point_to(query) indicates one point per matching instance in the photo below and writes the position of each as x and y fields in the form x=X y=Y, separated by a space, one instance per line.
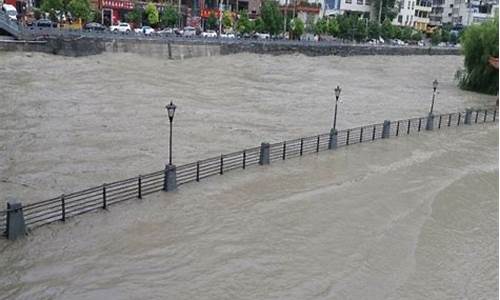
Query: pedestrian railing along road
x=101 y=197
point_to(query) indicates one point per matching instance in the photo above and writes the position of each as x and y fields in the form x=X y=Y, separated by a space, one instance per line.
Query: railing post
x=477 y=115
x=317 y=144
x=468 y=115
x=284 y=150
x=494 y=115
x=264 y=154
x=430 y=122
x=397 y=129
x=386 y=130
x=139 y=187
x=440 y=119
x=361 y=135
x=332 y=144
x=244 y=159
x=104 y=203
x=408 y=129
x=373 y=133
x=449 y=120
x=16 y=227
x=459 y=118
x=485 y=114
x=419 y=124
x=170 y=178
x=221 y=164
x=198 y=171
x=63 y=208
x=301 y=146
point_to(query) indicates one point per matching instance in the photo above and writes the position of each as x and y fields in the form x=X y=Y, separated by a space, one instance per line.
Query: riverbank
x=185 y=48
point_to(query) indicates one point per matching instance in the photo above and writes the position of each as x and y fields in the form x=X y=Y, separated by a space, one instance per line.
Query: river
x=408 y=218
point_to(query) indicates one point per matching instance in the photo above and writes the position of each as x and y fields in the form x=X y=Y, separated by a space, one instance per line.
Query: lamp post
x=337 y=95
x=171 y=111
x=434 y=86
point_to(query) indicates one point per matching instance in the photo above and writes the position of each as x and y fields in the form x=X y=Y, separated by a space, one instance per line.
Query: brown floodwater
x=408 y=218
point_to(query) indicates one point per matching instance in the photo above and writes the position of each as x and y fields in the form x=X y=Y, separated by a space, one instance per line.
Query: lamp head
x=171 y=110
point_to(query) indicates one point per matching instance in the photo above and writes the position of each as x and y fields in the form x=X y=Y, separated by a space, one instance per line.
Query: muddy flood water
x=408 y=218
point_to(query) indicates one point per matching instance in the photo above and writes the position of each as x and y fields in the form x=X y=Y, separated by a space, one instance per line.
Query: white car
x=10 y=11
x=227 y=35
x=264 y=36
x=209 y=34
x=189 y=31
x=147 y=30
x=121 y=27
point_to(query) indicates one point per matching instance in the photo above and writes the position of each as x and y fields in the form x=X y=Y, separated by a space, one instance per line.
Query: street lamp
x=337 y=95
x=434 y=86
x=171 y=111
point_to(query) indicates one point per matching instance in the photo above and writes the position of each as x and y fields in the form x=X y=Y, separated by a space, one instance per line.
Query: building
x=462 y=12
x=414 y=13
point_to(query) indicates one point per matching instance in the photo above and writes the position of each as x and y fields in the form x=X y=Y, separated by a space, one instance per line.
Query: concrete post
x=16 y=227
x=468 y=115
x=333 y=139
x=430 y=122
x=386 y=130
x=264 y=158
x=170 y=178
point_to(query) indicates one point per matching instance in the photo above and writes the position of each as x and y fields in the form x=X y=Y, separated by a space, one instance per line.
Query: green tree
x=389 y=10
x=479 y=43
x=271 y=17
x=406 y=33
x=259 y=25
x=436 y=37
x=212 y=21
x=345 y=26
x=332 y=27
x=445 y=36
x=135 y=16
x=397 y=32
x=373 y=30
x=244 y=25
x=387 y=30
x=51 y=6
x=152 y=14
x=417 y=36
x=321 y=27
x=80 y=9
x=170 y=17
x=297 y=28
x=360 y=29
x=227 y=20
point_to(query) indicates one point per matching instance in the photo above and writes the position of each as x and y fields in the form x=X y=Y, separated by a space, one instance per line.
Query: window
x=400 y=19
x=348 y=1
x=367 y=2
x=413 y=5
x=359 y=2
x=409 y=3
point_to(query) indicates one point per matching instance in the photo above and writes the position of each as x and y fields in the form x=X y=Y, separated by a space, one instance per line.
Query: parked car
x=421 y=43
x=264 y=36
x=10 y=11
x=165 y=31
x=209 y=34
x=43 y=23
x=189 y=31
x=94 y=27
x=227 y=35
x=121 y=27
x=147 y=30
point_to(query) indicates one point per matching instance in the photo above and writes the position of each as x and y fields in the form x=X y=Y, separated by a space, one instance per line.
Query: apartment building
x=414 y=13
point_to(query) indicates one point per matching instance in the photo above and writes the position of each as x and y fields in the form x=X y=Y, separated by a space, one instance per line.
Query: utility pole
x=220 y=17
x=179 y=13
x=380 y=13
x=286 y=12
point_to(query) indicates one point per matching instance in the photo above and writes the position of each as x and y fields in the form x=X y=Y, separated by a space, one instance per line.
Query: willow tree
x=479 y=43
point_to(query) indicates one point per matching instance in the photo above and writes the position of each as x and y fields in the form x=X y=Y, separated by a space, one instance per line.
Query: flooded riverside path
x=408 y=218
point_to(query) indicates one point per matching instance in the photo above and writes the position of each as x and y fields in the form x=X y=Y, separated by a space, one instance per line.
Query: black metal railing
x=101 y=197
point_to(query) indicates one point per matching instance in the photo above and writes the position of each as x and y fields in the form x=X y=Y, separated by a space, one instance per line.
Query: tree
x=387 y=29
x=388 y=12
x=332 y=27
x=244 y=25
x=406 y=33
x=344 y=26
x=445 y=36
x=227 y=20
x=479 y=43
x=373 y=30
x=321 y=27
x=212 y=21
x=397 y=32
x=170 y=17
x=436 y=37
x=135 y=16
x=80 y=9
x=271 y=17
x=417 y=36
x=152 y=14
x=51 y=6
x=259 y=25
x=359 y=28
x=297 y=28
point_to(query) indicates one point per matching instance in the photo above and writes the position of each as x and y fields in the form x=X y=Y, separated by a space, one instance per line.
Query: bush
x=152 y=14
x=297 y=28
x=170 y=17
x=479 y=43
